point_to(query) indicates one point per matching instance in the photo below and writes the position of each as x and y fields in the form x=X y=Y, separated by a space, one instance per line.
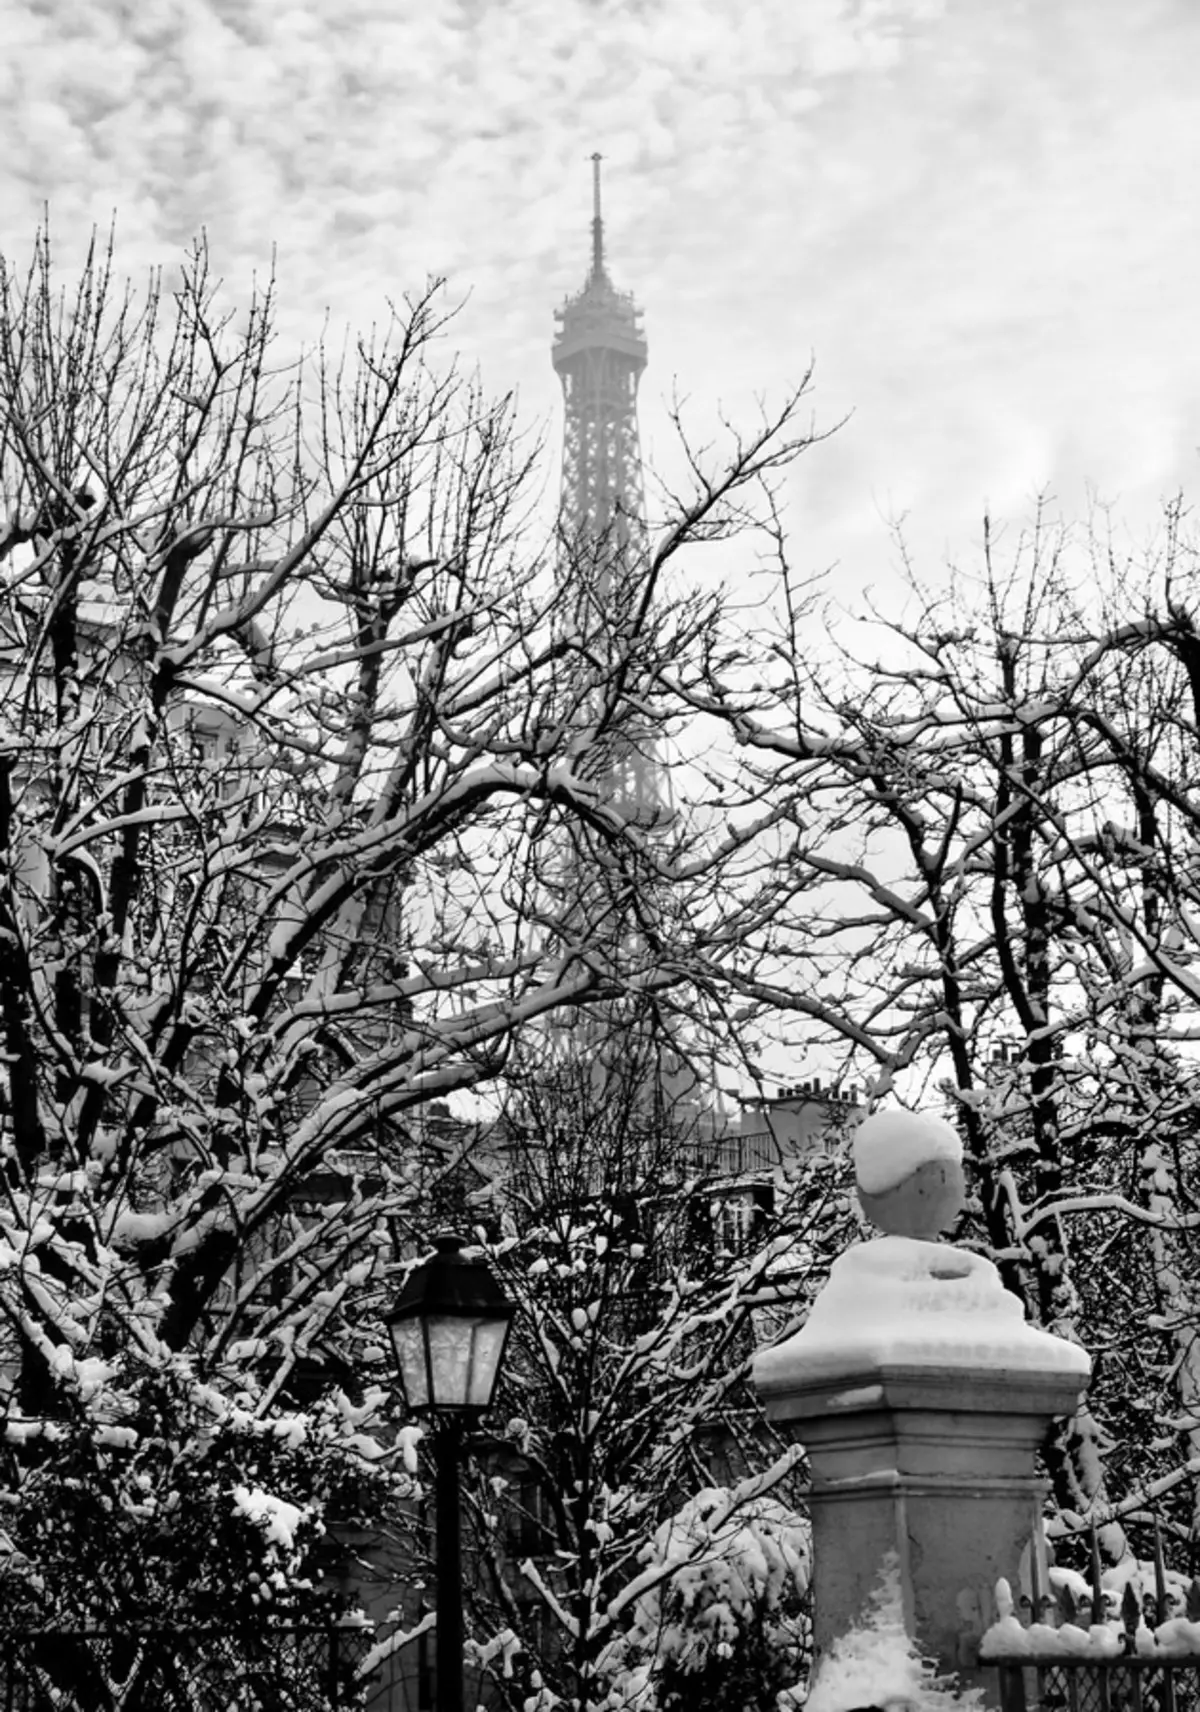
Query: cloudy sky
x=982 y=217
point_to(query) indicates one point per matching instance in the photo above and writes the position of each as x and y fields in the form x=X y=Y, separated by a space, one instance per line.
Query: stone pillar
x=923 y=1399
x=935 y=1465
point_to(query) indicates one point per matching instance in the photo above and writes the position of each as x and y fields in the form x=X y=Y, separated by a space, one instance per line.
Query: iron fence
x=270 y=1669
x=1100 y=1685
x=1128 y=1672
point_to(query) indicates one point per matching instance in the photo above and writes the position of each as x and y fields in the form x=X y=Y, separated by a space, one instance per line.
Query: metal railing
x=1100 y=1685
x=269 y=1669
x=1119 y=1666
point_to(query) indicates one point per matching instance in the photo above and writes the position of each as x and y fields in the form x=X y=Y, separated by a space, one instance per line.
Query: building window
x=739 y=1217
x=733 y=1227
x=530 y=1531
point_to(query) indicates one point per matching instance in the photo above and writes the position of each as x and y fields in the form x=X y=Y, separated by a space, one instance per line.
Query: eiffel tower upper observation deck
x=599 y=352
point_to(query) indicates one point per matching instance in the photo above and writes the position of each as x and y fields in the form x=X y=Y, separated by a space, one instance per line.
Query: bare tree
x=295 y=725
x=999 y=823
x=649 y=1261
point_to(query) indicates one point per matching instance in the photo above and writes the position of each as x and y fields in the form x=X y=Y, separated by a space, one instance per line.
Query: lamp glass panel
x=408 y=1339
x=487 y=1346
x=463 y=1352
x=450 y=1337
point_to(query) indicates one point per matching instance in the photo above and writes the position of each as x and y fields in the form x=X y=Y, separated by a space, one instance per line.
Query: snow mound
x=877 y=1663
x=890 y=1146
x=899 y=1302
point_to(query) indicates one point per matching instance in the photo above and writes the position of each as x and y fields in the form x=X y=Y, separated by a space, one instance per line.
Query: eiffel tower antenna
x=597 y=218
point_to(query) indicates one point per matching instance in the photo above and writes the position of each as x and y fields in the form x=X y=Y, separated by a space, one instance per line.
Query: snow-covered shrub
x=723 y=1617
x=166 y=1503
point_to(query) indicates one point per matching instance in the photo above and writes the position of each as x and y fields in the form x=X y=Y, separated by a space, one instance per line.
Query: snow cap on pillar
x=901 y=1302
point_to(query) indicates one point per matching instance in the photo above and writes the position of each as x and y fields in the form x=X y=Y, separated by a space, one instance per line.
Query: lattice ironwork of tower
x=599 y=353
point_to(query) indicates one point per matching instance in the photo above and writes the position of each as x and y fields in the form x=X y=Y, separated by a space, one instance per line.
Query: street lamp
x=448 y=1329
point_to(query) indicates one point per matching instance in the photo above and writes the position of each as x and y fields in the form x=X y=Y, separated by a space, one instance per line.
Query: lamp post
x=448 y=1329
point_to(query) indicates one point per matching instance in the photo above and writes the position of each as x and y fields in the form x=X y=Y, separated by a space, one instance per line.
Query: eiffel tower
x=599 y=352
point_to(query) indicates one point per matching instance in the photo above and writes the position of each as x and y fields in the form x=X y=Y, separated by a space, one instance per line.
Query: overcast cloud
x=979 y=216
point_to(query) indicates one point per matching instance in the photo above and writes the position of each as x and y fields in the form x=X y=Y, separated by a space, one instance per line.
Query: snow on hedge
x=719 y=1575
x=277 y=1519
